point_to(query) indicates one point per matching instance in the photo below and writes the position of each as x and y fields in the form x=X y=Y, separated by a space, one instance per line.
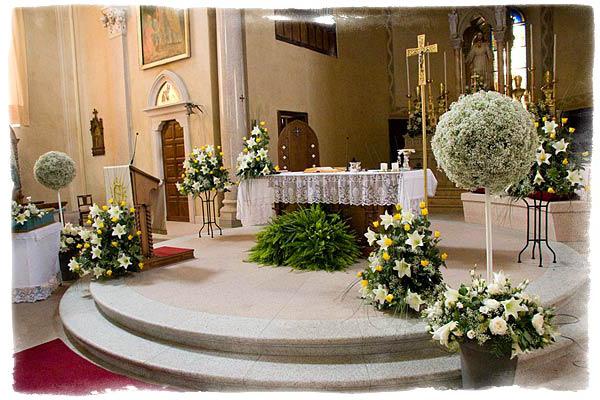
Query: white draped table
x=35 y=268
x=367 y=188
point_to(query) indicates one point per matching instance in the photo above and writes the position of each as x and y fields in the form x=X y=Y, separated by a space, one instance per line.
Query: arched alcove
x=172 y=81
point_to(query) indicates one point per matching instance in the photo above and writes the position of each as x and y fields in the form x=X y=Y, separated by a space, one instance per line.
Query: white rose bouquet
x=21 y=213
x=254 y=159
x=496 y=314
x=404 y=269
x=112 y=248
x=204 y=171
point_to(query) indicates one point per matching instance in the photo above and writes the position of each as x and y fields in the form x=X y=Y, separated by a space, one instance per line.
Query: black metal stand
x=209 y=215
x=537 y=206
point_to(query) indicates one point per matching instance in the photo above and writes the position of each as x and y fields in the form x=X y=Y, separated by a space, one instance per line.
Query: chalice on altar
x=404 y=155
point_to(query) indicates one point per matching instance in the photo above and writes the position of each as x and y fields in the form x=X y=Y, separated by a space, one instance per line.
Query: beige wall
x=343 y=96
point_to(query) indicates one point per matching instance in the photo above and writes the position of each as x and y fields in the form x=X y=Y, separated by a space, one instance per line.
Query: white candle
x=531 y=44
x=445 y=76
x=383 y=166
x=428 y=77
x=554 y=60
x=462 y=87
x=395 y=166
x=407 y=78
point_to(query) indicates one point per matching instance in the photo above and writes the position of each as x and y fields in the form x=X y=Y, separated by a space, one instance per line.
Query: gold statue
x=518 y=91
x=548 y=92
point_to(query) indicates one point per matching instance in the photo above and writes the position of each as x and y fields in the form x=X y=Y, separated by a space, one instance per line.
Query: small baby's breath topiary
x=54 y=169
x=485 y=140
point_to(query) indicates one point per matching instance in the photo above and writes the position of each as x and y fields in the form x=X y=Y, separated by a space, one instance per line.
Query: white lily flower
x=415 y=239
x=451 y=296
x=124 y=261
x=98 y=272
x=119 y=231
x=538 y=180
x=74 y=266
x=96 y=252
x=380 y=294
x=407 y=217
x=559 y=146
x=538 y=323
x=114 y=212
x=575 y=177
x=542 y=157
x=443 y=332
x=550 y=126
x=371 y=236
x=512 y=307
x=94 y=210
x=256 y=131
x=402 y=267
x=387 y=220
x=414 y=300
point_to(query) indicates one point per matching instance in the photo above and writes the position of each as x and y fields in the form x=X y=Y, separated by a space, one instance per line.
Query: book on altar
x=324 y=169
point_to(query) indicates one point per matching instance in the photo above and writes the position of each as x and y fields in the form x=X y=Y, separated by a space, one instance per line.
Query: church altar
x=366 y=188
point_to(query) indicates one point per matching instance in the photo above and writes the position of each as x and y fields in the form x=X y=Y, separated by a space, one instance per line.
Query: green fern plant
x=307 y=239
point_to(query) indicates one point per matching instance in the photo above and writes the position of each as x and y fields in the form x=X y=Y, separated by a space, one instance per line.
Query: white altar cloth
x=353 y=188
x=35 y=266
x=254 y=202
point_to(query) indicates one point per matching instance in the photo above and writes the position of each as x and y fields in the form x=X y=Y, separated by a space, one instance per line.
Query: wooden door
x=173 y=152
x=298 y=147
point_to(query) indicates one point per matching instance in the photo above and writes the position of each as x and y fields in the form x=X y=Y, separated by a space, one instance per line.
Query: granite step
x=199 y=369
x=375 y=334
x=181 y=366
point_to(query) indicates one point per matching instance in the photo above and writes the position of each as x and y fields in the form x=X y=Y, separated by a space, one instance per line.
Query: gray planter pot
x=480 y=368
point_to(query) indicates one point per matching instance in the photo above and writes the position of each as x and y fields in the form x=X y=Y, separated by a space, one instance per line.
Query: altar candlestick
x=462 y=87
x=554 y=60
x=532 y=66
x=445 y=76
x=531 y=44
x=429 y=65
x=407 y=78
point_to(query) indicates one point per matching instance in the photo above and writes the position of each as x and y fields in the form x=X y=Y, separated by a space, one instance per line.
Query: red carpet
x=54 y=368
x=166 y=251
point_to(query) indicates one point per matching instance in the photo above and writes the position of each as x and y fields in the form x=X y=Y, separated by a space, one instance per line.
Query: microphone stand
x=134 y=148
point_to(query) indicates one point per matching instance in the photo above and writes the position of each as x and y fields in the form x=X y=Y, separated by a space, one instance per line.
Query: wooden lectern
x=146 y=194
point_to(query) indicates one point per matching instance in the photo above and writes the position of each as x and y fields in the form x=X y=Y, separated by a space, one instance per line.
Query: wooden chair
x=84 y=202
x=298 y=147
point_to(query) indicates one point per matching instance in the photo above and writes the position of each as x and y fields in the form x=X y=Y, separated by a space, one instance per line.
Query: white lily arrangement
x=254 y=159
x=70 y=237
x=497 y=315
x=112 y=247
x=21 y=213
x=204 y=171
x=404 y=268
x=558 y=167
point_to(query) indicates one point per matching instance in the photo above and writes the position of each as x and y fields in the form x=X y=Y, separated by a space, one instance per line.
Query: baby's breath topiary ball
x=485 y=140
x=55 y=170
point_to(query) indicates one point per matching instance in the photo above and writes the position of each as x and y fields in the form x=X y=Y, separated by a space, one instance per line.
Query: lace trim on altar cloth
x=36 y=293
x=349 y=189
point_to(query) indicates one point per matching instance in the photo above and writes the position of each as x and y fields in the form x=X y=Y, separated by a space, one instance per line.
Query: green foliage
x=307 y=239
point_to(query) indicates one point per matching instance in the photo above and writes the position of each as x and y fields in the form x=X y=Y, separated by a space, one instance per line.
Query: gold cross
x=421 y=50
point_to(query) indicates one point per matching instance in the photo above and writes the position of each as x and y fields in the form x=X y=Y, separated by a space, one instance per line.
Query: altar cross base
x=421 y=50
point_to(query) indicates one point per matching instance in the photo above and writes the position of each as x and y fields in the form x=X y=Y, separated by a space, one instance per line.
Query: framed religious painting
x=163 y=35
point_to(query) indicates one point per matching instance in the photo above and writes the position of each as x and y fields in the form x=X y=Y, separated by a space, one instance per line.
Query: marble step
x=372 y=335
x=200 y=369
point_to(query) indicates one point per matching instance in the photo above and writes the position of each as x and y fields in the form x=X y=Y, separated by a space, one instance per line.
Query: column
x=499 y=35
x=458 y=65
x=114 y=20
x=232 y=107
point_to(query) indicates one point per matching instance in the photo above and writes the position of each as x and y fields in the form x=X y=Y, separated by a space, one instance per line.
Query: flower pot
x=33 y=223
x=480 y=368
x=65 y=272
x=545 y=196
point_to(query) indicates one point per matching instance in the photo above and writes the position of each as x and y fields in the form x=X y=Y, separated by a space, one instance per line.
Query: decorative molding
x=175 y=80
x=115 y=20
x=390 y=60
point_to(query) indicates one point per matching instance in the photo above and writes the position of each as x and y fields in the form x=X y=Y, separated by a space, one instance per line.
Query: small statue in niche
x=518 y=91
x=479 y=60
x=97 y=132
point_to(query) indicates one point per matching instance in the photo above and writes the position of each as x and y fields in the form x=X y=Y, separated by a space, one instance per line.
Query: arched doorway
x=173 y=155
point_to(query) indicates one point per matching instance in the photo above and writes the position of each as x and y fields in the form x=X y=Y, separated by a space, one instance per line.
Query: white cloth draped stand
x=256 y=196
x=35 y=267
